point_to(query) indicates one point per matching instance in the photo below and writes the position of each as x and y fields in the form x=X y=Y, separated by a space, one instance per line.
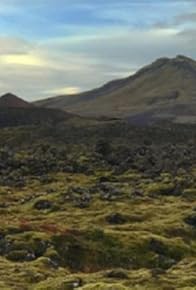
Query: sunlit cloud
x=22 y=59
x=64 y=91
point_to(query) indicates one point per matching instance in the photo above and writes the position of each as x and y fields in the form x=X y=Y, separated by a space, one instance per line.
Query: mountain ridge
x=160 y=86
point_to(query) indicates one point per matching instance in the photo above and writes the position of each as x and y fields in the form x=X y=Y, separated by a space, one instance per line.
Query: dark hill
x=14 y=111
x=10 y=100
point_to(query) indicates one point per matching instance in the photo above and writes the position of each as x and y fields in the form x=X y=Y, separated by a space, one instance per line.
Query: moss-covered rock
x=191 y=220
x=156 y=189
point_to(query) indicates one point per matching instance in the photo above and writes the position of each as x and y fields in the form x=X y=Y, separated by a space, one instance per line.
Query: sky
x=54 y=47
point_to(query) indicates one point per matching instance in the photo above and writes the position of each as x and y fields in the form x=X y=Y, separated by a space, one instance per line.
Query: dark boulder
x=116 y=219
x=117 y=274
x=109 y=192
x=43 y=204
x=20 y=256
x=83 y=201
x=191 y=220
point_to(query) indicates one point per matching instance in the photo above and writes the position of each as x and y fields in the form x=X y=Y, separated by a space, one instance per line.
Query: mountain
x=10 y=100
x=165 y=89
x=14 y=111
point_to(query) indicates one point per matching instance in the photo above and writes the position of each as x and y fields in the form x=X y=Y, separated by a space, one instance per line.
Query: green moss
x=52 y=254
x=104 y=286
x=160 y=189
x=189 y=193
x=17 y=255
x=169 y=251
x=54 y=284
x=91 y=250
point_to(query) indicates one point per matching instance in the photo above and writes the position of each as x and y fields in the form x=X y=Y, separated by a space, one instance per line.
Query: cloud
x=13 y=45
x=48 y=49
x=22 y=59
x=186 y=18
x=64 y=91
x=71 y=64
x=118 y=47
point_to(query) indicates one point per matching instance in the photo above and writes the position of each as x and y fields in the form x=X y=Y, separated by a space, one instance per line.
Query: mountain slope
x=164 y=89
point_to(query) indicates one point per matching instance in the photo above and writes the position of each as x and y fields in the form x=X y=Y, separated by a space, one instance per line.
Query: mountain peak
x=8 y=96
x=10 y=100
x=181 y=57
x=180 y=63
x=166 y=60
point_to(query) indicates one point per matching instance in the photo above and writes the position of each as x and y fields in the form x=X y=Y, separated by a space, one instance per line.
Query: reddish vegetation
x=11 y=101
x=49 y=228
x=25 y=225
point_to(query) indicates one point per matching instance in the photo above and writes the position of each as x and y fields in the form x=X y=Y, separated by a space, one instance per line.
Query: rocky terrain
x=102 y=205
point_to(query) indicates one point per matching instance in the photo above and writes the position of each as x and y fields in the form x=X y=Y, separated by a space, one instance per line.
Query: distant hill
x=10 y=100
x=165 y=89
x=14 y=111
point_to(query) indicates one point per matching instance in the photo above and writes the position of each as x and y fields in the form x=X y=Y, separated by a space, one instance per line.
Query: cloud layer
x=56 y=47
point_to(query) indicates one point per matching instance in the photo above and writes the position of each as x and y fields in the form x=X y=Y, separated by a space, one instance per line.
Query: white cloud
x=21 y=60
x=70 y=64
x=13 y=45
